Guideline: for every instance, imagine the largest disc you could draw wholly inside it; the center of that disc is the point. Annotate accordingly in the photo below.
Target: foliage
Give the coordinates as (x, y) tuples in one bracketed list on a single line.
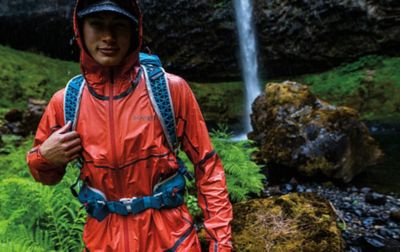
[(34, 217), (193, 206), (26, 75), (366, 62), (342, 226), (50, 213), (220, 102), (12, 158), (371, 85), (242, 174), (220, 4)]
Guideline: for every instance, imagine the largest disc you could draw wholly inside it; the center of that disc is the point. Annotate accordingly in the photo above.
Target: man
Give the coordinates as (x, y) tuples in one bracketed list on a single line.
[(122, 143)]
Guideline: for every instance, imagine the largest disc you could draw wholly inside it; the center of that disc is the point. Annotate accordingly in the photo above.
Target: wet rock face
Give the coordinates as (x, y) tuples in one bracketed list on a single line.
[(32, 7), (197, 39), (297, 130), (286, 223), (296, 36), (44, 26)]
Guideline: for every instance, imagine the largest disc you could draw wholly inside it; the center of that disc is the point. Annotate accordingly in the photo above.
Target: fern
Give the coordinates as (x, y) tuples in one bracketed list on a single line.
[(243, 176), (12, 157), (49, 214)]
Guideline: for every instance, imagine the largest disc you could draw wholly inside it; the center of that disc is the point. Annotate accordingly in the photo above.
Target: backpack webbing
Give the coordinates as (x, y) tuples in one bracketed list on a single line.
[(162, 104), (72, 99)]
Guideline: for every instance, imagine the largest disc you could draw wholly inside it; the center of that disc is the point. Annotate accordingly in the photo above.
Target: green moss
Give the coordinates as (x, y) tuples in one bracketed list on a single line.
[(220, 102), (26, 75), (286, 223), (371, 85), (219, 4)]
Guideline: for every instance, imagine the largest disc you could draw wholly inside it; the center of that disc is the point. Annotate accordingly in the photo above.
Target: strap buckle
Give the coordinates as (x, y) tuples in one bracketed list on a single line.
[(127, 203)]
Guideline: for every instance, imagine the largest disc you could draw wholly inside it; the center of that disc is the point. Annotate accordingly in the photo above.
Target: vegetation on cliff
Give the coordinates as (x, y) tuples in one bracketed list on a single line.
[(26, 75), (370, 85)]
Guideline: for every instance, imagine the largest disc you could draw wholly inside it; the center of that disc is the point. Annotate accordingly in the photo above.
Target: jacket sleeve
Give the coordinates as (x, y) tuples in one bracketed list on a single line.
[(41, 169), (210, 178)]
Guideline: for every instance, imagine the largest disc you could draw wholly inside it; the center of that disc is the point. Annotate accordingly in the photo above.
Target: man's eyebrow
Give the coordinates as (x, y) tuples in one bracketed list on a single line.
[(119, 18), (94, 18)]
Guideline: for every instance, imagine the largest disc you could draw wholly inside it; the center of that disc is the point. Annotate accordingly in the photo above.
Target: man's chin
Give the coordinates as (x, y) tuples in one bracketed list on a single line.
[(108, 62)]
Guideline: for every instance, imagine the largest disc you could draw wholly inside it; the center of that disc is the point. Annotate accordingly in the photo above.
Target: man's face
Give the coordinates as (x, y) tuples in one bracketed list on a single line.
[(107, 37)]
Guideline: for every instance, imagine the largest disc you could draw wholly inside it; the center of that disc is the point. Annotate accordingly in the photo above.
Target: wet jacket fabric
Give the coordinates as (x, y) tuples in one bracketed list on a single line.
[(126, 153)]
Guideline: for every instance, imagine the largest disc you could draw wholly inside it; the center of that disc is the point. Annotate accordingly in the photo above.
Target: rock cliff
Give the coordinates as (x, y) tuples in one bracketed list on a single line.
[(197, 39)]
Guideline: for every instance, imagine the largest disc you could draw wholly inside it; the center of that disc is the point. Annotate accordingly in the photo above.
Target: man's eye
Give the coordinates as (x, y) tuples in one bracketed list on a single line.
[(122, 25), (95, 23)]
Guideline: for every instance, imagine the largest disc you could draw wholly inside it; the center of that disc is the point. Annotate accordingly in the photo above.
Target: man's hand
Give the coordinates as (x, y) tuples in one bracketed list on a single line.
[(62, 146)]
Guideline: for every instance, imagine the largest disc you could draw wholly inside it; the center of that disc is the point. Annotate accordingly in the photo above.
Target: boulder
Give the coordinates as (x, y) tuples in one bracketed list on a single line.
[(23, 123), (293, 222), (307, 135)]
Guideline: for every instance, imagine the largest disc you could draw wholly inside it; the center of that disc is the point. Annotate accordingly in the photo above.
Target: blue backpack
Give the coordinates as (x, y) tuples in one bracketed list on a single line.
[(168, 193)]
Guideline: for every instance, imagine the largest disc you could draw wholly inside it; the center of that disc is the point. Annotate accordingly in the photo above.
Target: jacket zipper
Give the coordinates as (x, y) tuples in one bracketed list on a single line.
[(117, 172)]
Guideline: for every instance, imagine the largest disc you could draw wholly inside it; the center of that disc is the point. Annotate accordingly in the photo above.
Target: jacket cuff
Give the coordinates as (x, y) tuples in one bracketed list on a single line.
[(39, 162)]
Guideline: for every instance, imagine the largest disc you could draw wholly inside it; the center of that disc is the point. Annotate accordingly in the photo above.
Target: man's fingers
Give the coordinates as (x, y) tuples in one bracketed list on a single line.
[(65, 128), (71, 144), (73, 157), (74, 151), (66, 137)]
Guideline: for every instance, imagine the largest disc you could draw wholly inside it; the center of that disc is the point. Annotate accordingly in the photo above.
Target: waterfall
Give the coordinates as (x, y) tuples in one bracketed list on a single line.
[(248, 56)]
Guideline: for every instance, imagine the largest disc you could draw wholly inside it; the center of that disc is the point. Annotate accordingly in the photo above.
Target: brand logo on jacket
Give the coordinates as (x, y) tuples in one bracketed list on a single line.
[(146, 118)]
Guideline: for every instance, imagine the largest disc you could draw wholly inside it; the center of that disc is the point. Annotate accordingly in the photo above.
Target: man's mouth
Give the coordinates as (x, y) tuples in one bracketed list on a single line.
[(108, 51)]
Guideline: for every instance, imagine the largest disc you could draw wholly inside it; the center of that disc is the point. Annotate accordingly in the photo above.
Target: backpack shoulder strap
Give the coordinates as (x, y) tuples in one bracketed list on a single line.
[(72, 99), (158, 89)]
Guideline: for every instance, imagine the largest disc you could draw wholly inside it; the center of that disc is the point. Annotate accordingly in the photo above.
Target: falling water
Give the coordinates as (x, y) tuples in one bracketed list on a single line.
[(248, 55)]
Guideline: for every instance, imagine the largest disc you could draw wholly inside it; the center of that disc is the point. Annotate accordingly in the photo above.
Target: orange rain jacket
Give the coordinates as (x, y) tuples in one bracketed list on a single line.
[(125, 154)]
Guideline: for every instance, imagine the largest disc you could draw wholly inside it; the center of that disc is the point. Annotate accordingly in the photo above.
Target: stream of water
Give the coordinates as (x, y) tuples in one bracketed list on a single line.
[(248, 56)]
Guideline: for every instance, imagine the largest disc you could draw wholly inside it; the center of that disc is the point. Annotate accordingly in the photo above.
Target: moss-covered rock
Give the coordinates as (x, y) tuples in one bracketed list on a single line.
[(297, 130), (293, 222)]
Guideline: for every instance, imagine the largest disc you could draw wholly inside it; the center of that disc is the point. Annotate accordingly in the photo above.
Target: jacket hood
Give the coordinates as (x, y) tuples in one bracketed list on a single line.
[(95, 73)]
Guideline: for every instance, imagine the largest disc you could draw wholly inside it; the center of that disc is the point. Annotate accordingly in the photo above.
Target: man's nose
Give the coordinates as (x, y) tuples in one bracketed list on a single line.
[(108, 34)]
